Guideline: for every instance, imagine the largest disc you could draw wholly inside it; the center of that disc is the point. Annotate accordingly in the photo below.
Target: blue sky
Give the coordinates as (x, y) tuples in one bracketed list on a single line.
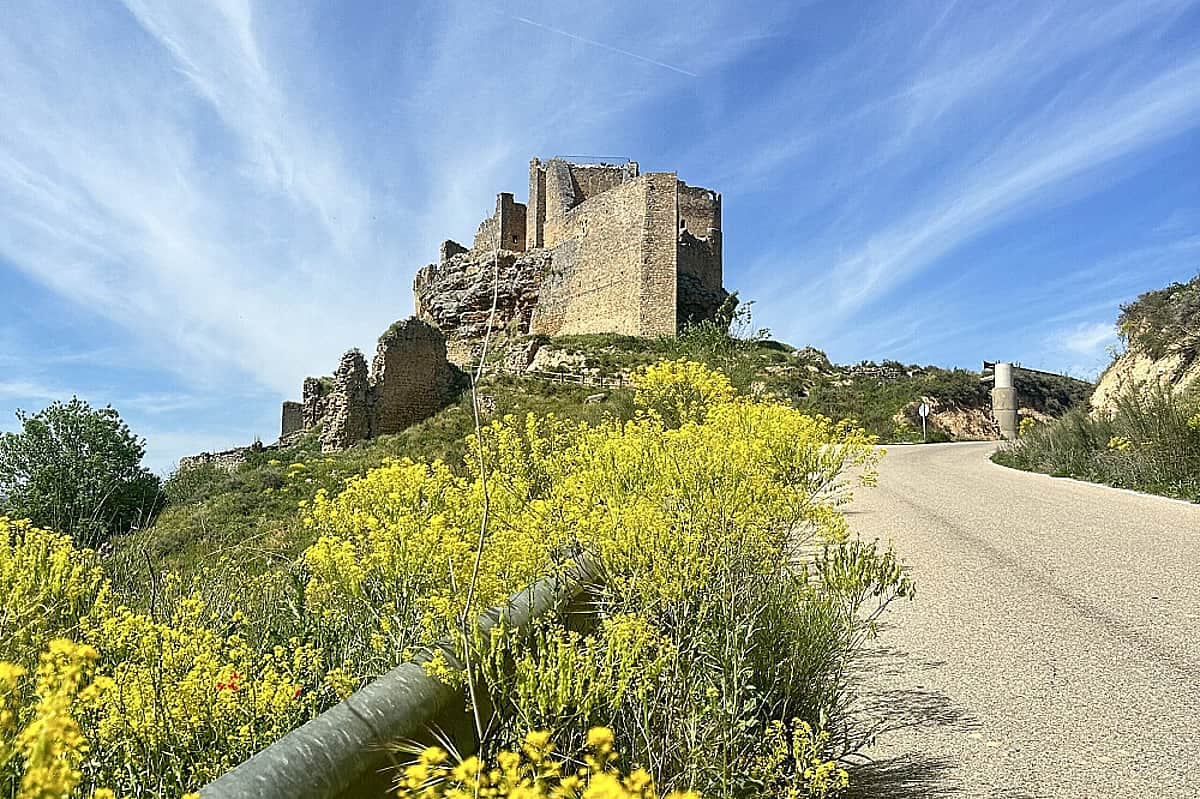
[(201, 203)]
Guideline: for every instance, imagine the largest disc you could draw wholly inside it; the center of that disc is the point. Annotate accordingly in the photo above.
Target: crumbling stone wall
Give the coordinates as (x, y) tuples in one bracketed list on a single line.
[(411, 379), (508, 223), (535, 210), (348, 417), (314, 400), (293, 419), (700, 235), (228, 459), (558, 186)]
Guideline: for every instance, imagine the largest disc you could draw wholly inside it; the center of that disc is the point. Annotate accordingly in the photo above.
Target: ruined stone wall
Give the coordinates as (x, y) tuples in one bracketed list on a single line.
[(699, 209), (348, 418), (698, 290), (292, 419), (569, 185), (228, 459), (411, 379), (615, 272), (314, 401), (588, 180), (535, 213), (700, 235), (508, 222), (559, 200)]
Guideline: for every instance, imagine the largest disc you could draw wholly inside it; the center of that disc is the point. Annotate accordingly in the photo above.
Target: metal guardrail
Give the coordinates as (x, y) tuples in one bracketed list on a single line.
[(344, 752)]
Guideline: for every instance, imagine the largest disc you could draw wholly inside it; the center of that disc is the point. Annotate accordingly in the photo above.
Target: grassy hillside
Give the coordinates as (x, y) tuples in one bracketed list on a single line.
[(249, 516), (881, 396)]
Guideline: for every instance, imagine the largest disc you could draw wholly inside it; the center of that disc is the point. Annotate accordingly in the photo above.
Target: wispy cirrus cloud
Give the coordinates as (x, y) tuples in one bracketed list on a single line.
[(225, 196), (1020, 175), (1089, 338), (181, 169)]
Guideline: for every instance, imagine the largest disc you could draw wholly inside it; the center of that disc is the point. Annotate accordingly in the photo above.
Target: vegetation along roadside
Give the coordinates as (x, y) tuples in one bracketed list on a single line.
[(733, 603)]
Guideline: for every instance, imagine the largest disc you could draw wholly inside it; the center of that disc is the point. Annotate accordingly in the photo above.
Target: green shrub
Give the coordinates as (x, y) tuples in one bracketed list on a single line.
[(193, 483), (1164, 320), (79, 470), (1147, 444)]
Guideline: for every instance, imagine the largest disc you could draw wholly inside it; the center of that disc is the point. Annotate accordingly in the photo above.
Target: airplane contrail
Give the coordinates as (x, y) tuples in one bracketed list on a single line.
[(601, 45)]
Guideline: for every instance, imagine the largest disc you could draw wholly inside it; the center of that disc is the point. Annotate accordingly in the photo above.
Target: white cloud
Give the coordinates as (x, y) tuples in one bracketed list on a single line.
[(1018, 177), (1088, 338), (183, 169), (29, 390)]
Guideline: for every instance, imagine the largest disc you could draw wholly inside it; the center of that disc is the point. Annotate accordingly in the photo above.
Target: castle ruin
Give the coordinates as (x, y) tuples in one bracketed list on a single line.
[(598, 248), (409, 379)]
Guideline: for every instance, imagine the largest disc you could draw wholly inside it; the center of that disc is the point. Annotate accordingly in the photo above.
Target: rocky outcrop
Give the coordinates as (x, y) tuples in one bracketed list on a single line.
[(1137, 370), (456, 293), (959, 422), (694, 302)]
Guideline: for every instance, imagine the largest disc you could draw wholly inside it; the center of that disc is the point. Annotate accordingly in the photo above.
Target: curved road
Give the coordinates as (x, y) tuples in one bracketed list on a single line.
[(1053, 649)]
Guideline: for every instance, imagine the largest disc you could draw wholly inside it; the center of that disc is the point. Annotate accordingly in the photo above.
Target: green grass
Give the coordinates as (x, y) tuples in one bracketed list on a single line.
[(248, 519)]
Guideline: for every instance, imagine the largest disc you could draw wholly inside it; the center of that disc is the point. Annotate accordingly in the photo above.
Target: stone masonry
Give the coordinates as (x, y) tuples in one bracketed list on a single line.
[(347, 415), (605, 248), (409, 379)]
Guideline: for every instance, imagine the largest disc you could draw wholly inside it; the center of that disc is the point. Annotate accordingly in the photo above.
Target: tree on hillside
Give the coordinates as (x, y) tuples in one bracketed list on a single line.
[(77, 470)]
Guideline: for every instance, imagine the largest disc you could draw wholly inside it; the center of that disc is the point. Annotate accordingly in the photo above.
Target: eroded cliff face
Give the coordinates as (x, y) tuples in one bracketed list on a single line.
[(455, 294), (1137, 370), (1162, 331)]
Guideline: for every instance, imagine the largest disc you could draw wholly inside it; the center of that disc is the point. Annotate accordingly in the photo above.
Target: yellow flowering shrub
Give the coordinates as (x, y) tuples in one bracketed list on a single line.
[(792, 763), (1027, 425), (46, 584), (1194, 422), (688, 518), (169, 702), (532, 771), (1120, 443), (699, 632), (551, 669), (680, 391)]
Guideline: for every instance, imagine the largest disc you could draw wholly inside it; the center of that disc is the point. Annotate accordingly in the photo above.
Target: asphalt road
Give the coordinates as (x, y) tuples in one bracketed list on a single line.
[(1053, 649)]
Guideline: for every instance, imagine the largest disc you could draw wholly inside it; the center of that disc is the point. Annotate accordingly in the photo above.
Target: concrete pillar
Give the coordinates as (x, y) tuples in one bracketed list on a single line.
[(1004, 401)]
